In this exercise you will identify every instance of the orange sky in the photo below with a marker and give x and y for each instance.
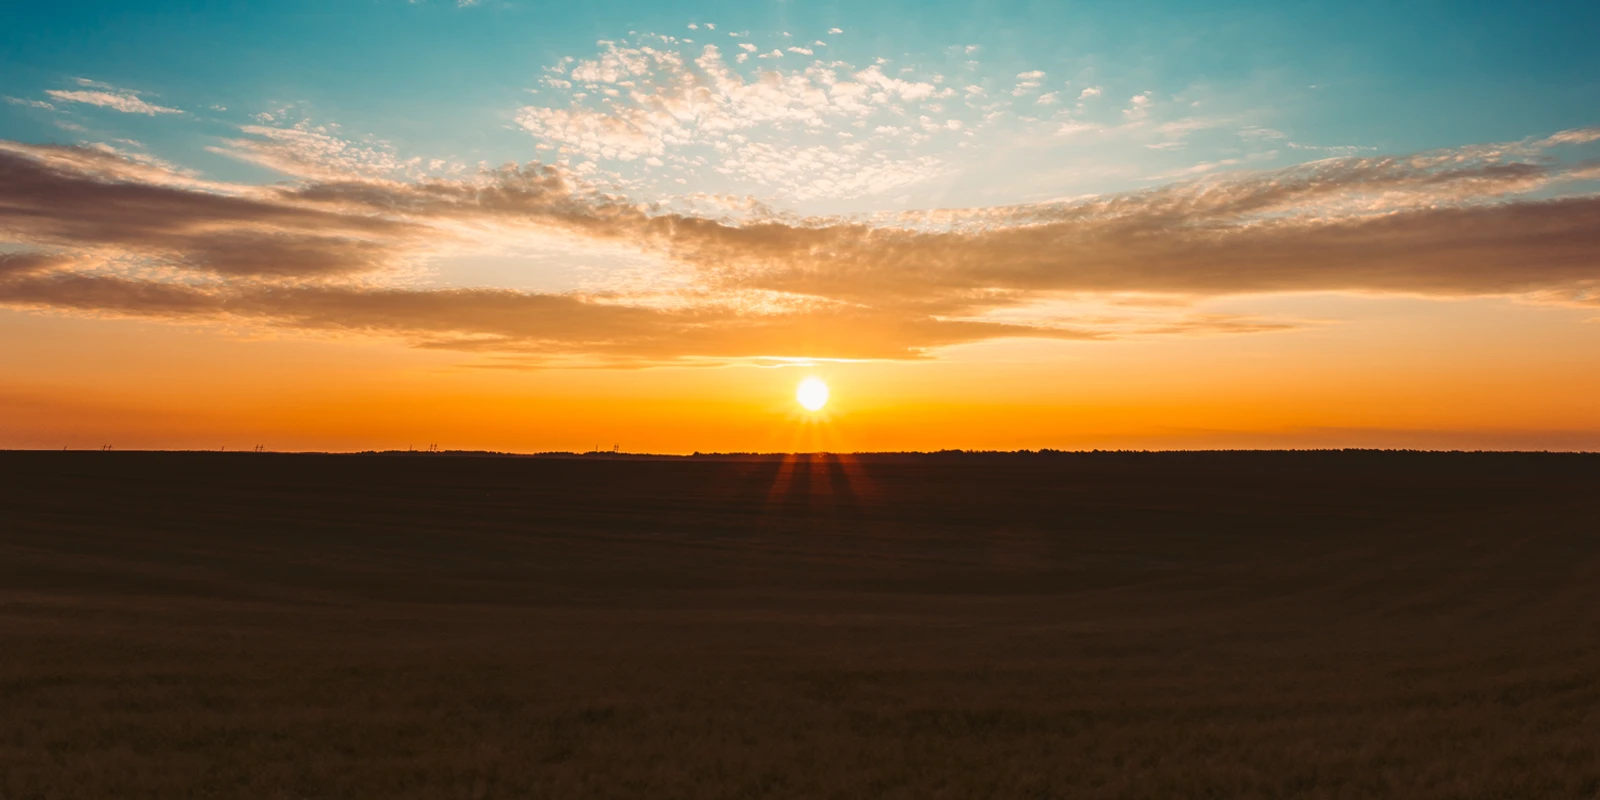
(1372, 372)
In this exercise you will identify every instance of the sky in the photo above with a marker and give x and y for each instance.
(520, 226)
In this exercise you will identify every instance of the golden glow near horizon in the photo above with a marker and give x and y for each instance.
(1484, 374)
(812, 394)
(688, 226)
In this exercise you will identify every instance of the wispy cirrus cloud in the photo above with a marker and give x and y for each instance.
(20, 101)
(1575, 136)
(306, 150)
(94, 93)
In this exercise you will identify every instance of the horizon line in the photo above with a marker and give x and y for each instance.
(734, 454)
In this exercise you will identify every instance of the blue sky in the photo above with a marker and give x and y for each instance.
(434, 80)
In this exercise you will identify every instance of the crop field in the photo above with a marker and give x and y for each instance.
(1105, 625)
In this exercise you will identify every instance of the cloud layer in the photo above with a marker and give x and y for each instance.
(92, 230)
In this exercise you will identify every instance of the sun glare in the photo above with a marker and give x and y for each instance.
(813, 394)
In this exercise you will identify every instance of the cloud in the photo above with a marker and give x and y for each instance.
(1138, 109)
(1073, 127)
(98, 201)
(18, 101)
(134, 155)
(821, 171)
(895, 87)
(15, 264)
(99, 94)
(112, 235)
(1416, 225)
(1197, 169)
(1574, 136)
(1181, 128)
(516, 322)
(620, 63)
(669, 106)
(548, 328)
(1332, 150)
(306, 150)
(1027, 82)
(1262, 134)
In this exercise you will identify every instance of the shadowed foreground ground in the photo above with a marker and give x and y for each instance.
(1224, 625)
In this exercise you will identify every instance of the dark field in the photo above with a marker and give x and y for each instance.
(1184, 625)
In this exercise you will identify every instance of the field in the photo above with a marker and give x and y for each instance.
(1229, 625)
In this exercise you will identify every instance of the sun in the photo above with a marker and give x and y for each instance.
(812, 394)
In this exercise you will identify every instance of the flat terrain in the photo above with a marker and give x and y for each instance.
(1261, 625)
